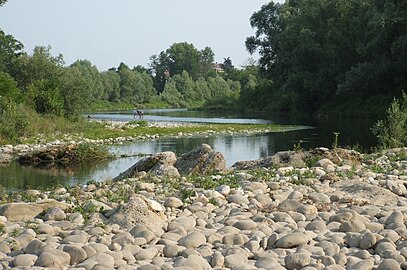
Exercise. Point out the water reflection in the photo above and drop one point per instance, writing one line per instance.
(234, 148)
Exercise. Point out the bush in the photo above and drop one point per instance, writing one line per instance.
(392, 131)
(14, 121)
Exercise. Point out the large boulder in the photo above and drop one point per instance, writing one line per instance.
(161, 164)
(139, 210)
(28, 211)
(201, 160)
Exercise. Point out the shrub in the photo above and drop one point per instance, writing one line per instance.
(392, 131)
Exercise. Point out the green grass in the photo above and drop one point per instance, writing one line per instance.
(94, 130)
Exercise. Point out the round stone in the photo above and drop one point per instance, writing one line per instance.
(389, 264)
(292, 240)
(297, 260)
(193, 240)
(24, 260)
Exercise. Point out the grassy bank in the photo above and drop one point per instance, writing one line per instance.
(50, 127)
(100, 130)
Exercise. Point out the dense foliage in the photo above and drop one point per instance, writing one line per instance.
(316, 57)
(392, 131)
(322, 55)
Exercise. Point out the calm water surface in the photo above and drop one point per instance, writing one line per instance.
(234, 148)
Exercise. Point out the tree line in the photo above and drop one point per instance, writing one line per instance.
(316, 57)
(324, 56)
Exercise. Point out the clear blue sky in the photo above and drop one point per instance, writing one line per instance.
(130, 31)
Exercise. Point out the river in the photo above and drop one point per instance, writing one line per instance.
(234, 148)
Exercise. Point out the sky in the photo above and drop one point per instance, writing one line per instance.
(130, 31)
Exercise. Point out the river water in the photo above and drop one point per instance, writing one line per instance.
(319, 132)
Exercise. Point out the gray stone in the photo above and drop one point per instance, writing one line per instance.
(138, 211)
(233, 240)
(173, 202)
(289, 205)
(54, 214)
(319, 198)
(77, 253)
(171, 250)
(5, 158)
(159, 164)
(217, 260)
(183, 263)
(237, 198)
(316, 225)
(35, 247)
(352, 226)
(146, 254)
(20, 211)
(297, 260)
(123, 239)
(76, 238)
(26, 260)
(367, 240)
(389, 264)
(383, 247)
(193, 240)
(48, 259)
(247, 224)
(201, 160)
(104, 260)
(204, 265)
(292, 240)
(235, 260)
(396, 217)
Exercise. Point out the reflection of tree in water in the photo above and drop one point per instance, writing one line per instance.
(18, 176)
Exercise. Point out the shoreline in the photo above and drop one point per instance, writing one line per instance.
(336, 214)
(152, 131)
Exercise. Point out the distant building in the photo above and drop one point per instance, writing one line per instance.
(219, 67)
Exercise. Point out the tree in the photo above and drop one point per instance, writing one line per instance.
(10, 49)
(184, 56)
(392, 131)
(92, 80)
(315, 52)
(45, 97)
(172, 96)
(135, 87)
(72, 92)
(227, 63)
(2, 2)
(185, 85)
(160, 69)
(207, 58)
(8, 88)
(42, 65)
(111, 84)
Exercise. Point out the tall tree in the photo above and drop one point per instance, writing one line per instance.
(10, 49)
(207, 58)
(161, 70)
(184, 56)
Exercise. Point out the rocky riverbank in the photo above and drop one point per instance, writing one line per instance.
(120, 132)
(320, 209)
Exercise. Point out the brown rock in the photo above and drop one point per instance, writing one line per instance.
(201, 160)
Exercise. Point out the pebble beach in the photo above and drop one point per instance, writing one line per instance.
(333, 215)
